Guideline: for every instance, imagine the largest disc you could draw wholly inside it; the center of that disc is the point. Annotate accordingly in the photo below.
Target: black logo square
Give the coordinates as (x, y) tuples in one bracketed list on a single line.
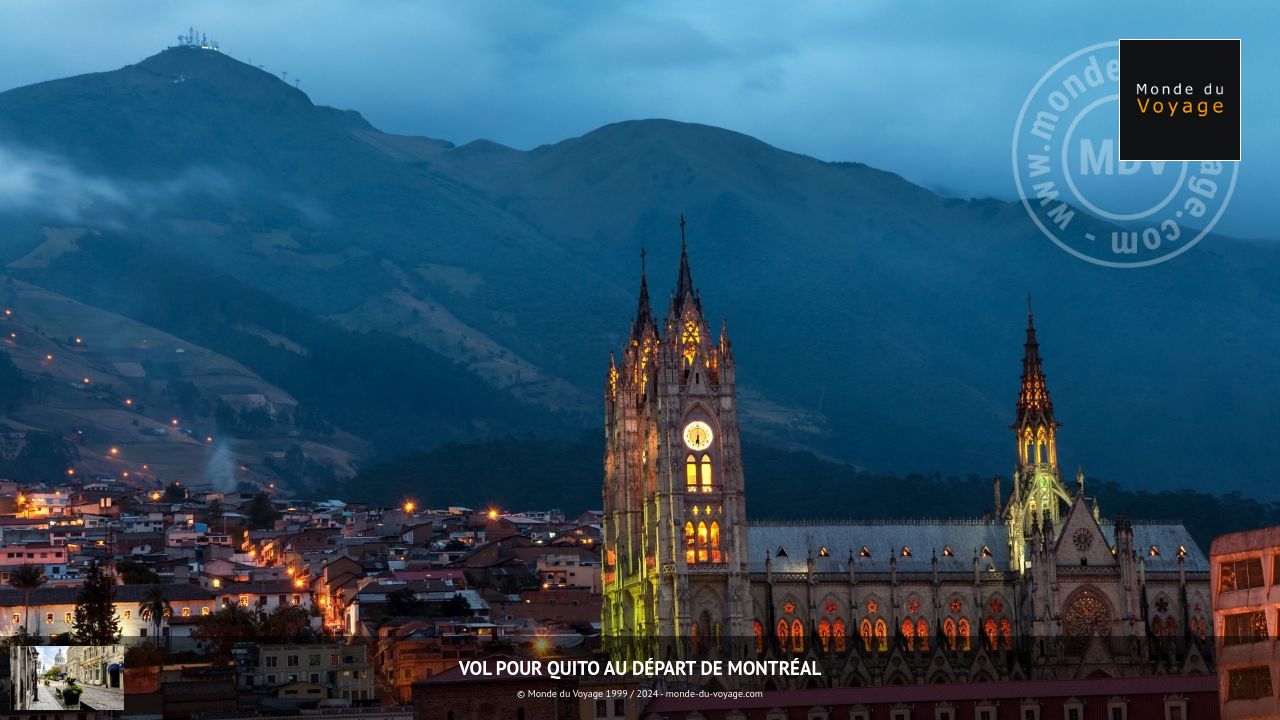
[(1179, 99)]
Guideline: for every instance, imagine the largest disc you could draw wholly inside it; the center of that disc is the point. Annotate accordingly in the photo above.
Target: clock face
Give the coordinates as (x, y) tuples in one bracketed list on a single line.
[(697, 435)]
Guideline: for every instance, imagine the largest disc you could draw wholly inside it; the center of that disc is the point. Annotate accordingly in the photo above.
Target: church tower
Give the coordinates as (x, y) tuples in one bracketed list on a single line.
[(1039, 497), (675, 576)]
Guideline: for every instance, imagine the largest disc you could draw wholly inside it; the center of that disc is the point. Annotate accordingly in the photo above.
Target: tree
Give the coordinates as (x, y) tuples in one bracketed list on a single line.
[(219, 632), (94, 621), (287, 624), (262, 514), (135, 573), (155, 609), (214, 511), (173, 493), (27, 577)]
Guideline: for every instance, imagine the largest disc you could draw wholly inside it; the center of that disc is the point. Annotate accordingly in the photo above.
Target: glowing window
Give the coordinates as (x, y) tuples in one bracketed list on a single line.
[(949, 630), (1006, 632), (864, 552), (864, 631), (964, 635), (991, 633), (797, 636), (691, 473), (882, 635), (837, 629), (186, 612), (909, 634), (922, 635), (759, 631), (715, 542), (706, 473), (824, 635), (702, 542), (784, 633), (689, 550)]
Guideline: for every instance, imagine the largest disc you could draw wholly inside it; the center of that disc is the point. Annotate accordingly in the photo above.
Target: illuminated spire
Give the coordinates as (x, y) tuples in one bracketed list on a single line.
[(644, 312), (1034, 405), (684, 292)]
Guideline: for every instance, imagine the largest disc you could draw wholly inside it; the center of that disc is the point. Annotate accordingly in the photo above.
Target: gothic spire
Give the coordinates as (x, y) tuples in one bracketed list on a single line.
[(1034, 404), (684, 292), (644, 312)]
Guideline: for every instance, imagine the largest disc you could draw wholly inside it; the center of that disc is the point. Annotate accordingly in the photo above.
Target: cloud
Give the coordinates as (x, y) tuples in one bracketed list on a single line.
[(34, 182)]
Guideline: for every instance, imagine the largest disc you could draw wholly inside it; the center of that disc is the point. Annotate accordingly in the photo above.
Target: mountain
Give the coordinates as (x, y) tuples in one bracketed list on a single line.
[(875, 322)]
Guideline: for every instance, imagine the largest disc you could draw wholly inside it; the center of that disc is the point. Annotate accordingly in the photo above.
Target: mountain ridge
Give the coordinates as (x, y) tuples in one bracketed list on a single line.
[(875, 321)]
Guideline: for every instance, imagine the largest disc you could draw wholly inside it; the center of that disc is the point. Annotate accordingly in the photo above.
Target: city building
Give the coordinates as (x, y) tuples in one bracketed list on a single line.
[(101, 665), (1046, 587), (342, 670), (1245, 575)]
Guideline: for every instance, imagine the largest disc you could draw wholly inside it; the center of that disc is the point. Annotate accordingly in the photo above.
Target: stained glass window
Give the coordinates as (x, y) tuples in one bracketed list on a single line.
[(909, 635), (882, 635), (689, 539), (964, 635), (784, 633), (691, 473), (830, 607), (759, 632), (824, 635), (837, 629), (991, 633), (706, 473), (1006, 632), (715, 542), (797, 636), (949, 630), (702, 542), (1087, 615), (922, 635), (864, 631)]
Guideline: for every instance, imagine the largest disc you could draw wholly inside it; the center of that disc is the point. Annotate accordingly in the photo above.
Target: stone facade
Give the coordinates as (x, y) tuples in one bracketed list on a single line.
[(1048, 587)]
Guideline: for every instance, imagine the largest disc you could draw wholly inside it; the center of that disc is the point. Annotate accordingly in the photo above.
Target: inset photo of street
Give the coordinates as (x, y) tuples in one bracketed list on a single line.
[(66, 677)]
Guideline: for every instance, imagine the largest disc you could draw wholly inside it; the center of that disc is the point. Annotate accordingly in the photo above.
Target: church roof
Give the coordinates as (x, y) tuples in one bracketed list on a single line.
[(882, 540), (798, 540), (1166, 538)]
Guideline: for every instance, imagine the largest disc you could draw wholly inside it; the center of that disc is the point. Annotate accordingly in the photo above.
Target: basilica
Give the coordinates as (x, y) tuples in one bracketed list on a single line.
[(1048, 587)]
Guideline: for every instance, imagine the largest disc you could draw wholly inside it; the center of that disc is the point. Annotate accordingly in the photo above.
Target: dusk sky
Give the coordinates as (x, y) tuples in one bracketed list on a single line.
[(929, 90)]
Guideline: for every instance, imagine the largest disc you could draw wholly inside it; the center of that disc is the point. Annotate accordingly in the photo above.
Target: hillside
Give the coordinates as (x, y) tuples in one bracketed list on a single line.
[(874, 322), (142, 405)]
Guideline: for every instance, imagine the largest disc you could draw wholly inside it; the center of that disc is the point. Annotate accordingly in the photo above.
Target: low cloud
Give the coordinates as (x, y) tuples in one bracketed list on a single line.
[(39, 183)]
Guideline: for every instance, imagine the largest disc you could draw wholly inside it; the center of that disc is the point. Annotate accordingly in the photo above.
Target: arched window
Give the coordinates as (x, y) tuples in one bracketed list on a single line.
[(837, 629), (909, 634), (991, 633), (1170, 628), (689, 550), (702, 542), (964, 635), (864, 631), (784, 633), (882, 635), (797, 636), (949, 631), (1006, 632), (824, 635), (1157, 628), (706, 473), (691, 473), (694, 640), (715, 542), (759, 631), (922, 635)]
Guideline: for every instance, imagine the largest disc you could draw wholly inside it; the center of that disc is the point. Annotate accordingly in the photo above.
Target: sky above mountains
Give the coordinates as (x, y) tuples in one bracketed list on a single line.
[(921, 89)]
